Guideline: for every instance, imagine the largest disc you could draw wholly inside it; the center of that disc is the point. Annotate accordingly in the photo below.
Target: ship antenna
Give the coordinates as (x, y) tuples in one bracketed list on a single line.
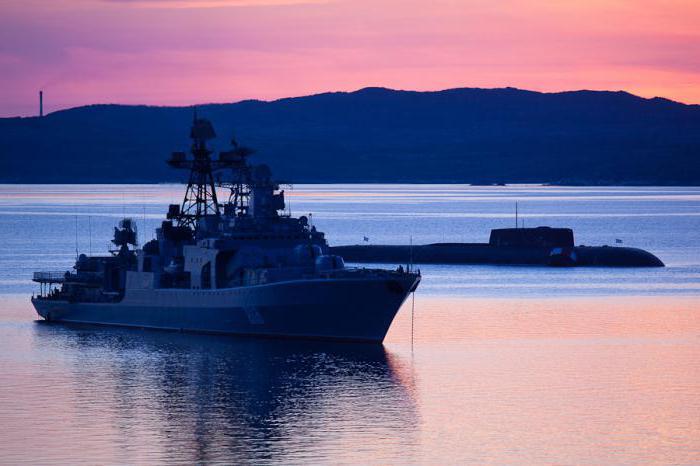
[(143, 238), (76, 237), (413, 311)]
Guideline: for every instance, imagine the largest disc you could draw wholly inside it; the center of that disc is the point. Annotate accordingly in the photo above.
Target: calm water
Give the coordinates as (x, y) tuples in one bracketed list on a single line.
[(511, 365)]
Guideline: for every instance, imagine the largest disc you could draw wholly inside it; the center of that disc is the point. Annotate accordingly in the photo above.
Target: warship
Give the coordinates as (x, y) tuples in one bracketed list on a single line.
[(242, 266)]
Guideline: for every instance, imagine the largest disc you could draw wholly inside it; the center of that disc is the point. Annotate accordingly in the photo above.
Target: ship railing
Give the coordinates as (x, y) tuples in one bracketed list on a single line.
[(49, 277)]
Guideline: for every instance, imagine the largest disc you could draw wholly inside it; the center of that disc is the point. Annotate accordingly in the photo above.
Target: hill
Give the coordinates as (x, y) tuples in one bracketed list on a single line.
[(377, 135)]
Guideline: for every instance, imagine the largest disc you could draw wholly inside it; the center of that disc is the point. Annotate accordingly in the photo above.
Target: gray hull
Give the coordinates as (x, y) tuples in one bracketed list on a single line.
[(342, 309)]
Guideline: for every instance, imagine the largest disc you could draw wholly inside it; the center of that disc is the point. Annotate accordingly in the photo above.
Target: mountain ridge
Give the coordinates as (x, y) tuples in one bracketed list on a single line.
[(369, 89), (375, 134)]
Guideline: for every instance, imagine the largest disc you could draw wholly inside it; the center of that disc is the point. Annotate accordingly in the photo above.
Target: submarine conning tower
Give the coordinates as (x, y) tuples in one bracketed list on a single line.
[(544, 237)]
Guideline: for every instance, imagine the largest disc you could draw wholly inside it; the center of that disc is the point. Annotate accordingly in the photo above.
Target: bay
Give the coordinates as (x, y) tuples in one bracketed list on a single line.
[(507, 364)]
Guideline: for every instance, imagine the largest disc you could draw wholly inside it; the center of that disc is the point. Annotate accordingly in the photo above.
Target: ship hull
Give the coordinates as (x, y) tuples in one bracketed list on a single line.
[(484, 253), (339, 309)]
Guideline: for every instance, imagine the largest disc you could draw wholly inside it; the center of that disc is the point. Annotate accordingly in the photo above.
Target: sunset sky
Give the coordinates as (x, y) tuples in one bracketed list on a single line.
[(179, 52)]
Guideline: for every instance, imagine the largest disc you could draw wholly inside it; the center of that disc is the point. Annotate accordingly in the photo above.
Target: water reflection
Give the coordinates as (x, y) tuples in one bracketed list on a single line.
[(499, 381), (195, 398)]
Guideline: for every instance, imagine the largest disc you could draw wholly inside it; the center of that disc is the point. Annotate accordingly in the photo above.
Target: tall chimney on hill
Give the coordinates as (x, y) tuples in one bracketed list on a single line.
[(41, 103)]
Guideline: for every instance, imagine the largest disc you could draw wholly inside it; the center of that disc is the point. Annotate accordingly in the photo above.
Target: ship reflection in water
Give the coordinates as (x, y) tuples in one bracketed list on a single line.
[(149, 396), (487, 381)]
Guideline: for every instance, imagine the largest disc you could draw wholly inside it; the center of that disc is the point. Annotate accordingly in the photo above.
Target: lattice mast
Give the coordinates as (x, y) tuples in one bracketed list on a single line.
[(200, 197), (239, 177)]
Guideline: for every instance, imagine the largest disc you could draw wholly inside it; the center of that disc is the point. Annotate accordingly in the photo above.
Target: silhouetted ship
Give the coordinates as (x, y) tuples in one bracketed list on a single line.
[(507, 246), (238, 267)]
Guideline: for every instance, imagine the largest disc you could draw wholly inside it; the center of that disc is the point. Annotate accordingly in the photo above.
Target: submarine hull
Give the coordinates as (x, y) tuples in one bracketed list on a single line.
[(336, 309), (481, 253)]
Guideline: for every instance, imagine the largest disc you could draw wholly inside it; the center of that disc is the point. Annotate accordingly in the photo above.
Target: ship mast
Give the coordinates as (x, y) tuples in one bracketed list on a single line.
[(200, 197), (240, 177)]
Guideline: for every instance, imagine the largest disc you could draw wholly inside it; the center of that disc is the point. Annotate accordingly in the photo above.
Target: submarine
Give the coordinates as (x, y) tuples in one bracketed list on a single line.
[(539, 246)]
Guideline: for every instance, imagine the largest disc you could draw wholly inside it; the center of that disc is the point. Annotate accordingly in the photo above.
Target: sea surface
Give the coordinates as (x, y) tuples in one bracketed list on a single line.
[(505, 364)]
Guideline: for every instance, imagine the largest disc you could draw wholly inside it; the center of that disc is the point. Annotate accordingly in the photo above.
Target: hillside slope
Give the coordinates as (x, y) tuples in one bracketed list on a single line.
[(378, 135)]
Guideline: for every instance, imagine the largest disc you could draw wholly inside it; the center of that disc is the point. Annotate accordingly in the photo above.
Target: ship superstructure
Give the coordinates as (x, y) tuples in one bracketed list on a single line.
[(238, 266)]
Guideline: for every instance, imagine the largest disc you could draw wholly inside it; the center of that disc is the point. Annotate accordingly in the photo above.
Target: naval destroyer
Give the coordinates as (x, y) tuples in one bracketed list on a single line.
[(241, 266)]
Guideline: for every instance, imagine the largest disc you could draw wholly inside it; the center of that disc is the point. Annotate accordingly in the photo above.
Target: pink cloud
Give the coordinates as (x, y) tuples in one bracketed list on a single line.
[(198, 4), (173, 52)]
